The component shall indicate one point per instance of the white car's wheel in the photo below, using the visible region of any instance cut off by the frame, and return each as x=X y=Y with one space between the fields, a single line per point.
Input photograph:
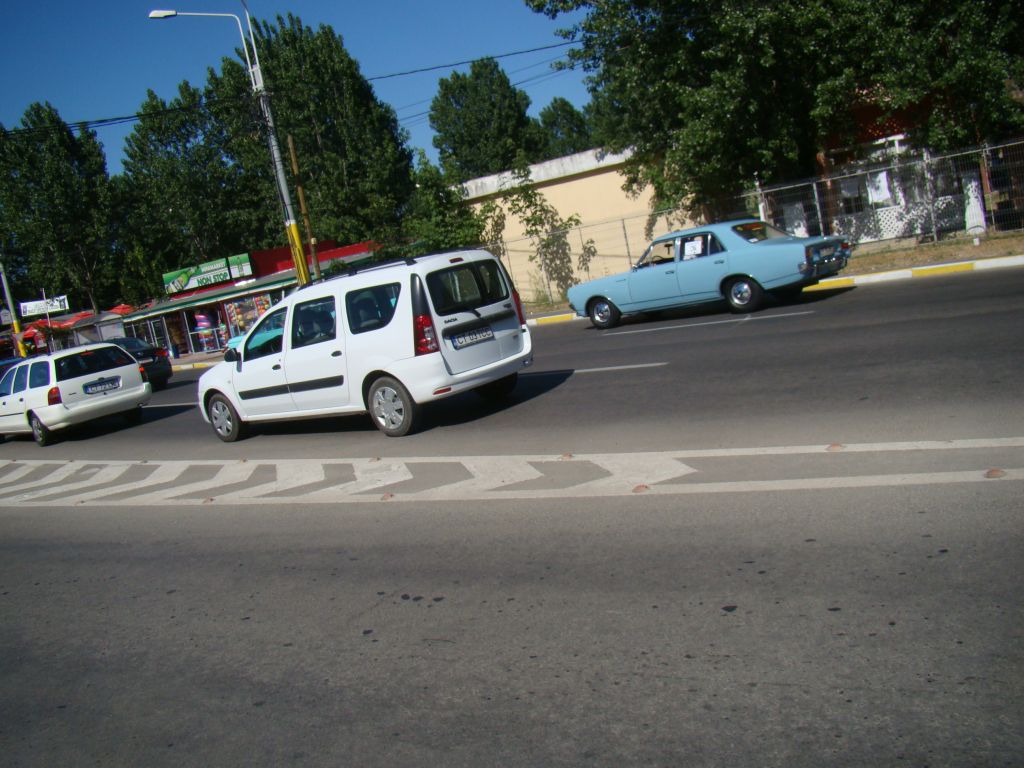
x=40 y=433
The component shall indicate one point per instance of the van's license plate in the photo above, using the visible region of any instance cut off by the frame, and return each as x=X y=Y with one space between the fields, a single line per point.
x=104 y=385
x=469 y=338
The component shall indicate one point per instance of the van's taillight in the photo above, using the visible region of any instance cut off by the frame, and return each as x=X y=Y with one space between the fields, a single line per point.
x=519 y=307
x=142 y=371
x=53 y=396
x=426 y=337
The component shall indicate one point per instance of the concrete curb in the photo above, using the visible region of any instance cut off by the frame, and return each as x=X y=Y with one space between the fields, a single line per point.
x=848 y=282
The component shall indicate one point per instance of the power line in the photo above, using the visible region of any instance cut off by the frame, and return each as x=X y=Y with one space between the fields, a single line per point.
x=470 y=61
x=104 y=122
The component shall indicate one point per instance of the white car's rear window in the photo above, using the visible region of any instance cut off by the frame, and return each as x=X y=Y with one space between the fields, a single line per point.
x=90 y=361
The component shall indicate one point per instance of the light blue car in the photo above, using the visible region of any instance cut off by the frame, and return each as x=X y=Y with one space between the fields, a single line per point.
x=733 y=260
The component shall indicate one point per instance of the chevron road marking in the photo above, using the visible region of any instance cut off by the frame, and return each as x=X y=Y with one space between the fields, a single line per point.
x=477 y=478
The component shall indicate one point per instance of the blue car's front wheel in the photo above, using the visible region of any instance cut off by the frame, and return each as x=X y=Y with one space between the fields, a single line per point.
x=603 y=314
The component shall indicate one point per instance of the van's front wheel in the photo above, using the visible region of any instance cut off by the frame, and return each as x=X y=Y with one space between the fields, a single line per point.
x=224 y=419
x=392 y=408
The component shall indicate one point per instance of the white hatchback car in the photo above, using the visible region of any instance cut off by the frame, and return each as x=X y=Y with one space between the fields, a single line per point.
x=51 y=392
x=383 y=340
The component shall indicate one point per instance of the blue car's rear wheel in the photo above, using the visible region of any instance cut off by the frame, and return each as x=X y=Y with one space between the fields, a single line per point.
x=603 y=314
x=744 y=294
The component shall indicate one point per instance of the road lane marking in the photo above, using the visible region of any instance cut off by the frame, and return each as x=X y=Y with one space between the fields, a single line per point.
x=732 y=321
x=619 y=368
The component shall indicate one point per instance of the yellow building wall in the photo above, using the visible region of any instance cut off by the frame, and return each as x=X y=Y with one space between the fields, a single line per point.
x=620 y=224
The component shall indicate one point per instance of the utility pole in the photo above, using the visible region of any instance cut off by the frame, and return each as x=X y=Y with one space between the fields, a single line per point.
x=14 y=310
x=302 y=207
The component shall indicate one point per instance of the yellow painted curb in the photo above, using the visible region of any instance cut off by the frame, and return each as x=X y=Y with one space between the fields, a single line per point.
x=552 y=319
x=942 y=269
x=839 y=282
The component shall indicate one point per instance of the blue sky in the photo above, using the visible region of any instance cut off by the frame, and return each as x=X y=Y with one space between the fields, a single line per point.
x=96 y=60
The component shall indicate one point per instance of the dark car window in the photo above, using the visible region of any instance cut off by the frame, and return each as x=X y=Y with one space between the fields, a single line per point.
x=267 y=338
x=371 y=308
x=6 y=383
x=132 y=345
x=466 y=287
x=39 y=375
x=90 y=361
x=313 y=322
x=20 y=378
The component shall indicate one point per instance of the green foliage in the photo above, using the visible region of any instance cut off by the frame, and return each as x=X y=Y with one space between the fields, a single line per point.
x=481 y=123
x=356 y=167
x=55 y=207
x=184 y=200
x=709 y=93
x=437 y=218
x=565 y=129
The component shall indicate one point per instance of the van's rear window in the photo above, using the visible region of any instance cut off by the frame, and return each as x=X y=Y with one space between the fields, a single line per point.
x=90 y=361
x=466 y=287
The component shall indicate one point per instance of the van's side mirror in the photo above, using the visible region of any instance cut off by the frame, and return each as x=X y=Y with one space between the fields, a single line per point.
x=230 y=355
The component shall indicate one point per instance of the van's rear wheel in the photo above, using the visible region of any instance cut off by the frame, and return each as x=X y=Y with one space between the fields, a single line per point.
x=226 y=422
x=392 y=408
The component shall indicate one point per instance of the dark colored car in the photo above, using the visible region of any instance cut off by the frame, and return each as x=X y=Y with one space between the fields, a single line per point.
x=155 y=360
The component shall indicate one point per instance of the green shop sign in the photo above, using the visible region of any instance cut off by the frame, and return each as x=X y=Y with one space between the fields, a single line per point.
x=209 y=273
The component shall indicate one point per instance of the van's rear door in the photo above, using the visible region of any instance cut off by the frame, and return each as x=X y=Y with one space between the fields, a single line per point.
x=474 y=312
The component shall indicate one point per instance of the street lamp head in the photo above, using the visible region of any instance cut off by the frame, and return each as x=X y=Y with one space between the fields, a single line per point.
x=162 y=14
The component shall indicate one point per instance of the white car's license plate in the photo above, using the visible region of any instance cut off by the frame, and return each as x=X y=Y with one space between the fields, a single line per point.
x=469 y=338
x=104 y=385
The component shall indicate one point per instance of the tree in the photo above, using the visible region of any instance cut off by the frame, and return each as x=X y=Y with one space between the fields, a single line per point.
x=55 y=206
x=565 y=129
x=356 y=167
x=707 y=94
x=184 y=200
x=437 y=217
x=481 y=122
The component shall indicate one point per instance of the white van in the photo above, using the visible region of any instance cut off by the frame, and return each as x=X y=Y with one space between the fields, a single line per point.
x=383 y=340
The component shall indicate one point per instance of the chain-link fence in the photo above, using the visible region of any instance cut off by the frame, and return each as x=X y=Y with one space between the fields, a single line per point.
x=898 y=195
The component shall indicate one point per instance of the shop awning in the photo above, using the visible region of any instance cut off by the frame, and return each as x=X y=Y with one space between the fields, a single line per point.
x=260 y=285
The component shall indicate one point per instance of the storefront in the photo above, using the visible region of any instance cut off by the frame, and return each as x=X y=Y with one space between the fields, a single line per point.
x=210 y=303
x=203 y=322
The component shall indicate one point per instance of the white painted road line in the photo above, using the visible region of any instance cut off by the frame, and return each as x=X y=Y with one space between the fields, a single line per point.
x=619 y=368
x=731 y=321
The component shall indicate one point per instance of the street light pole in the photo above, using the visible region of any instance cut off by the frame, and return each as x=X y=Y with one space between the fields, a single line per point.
x=256 y=80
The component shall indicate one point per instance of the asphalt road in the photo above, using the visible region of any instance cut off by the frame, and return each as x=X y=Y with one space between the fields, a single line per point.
x=698 y=539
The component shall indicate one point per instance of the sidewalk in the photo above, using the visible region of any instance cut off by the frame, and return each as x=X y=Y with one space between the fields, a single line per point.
x=206 y=359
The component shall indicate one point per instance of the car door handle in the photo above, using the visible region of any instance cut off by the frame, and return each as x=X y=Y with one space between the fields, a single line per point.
x=277 y=367
x=670 y=272
x=336 y=353
x=719 y=261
